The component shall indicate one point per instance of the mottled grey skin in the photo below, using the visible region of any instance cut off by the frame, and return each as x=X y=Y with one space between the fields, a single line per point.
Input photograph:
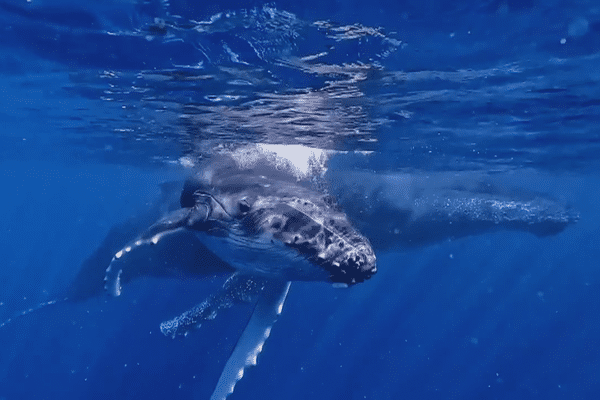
x=263 y=201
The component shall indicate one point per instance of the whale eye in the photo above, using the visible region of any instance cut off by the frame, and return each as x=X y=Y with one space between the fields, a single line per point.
x=244 y=207
x=276 y=225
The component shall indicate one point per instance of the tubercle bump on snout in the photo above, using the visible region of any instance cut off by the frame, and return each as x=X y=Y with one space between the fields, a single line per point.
x=355 y=268
x=346 y=256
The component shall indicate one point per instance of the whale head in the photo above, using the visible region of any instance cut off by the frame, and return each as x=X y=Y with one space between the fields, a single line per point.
x=315 y=232
x=265 y=222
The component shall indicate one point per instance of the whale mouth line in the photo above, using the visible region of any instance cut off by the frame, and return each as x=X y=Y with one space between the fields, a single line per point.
x=304 y=257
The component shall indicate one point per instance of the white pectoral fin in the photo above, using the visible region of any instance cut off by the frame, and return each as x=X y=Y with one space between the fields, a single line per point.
x=168 y=225
x=255 y=334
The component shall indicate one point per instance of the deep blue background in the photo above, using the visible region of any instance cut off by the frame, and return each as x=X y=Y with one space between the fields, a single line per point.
x=496 y=316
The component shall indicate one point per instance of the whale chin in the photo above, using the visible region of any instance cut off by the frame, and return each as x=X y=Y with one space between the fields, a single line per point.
x=350 y=267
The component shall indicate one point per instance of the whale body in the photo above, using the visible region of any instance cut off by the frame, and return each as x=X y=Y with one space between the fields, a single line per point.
x=262 y=223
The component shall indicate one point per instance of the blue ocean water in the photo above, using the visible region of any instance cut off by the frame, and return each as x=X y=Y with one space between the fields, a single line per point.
x=101 y=103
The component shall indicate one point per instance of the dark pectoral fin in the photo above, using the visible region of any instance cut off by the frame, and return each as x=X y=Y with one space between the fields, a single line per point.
x=255 y=334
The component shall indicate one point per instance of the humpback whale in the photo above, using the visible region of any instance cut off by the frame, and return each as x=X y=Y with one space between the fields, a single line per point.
x=257 y=218
x=256 y=215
